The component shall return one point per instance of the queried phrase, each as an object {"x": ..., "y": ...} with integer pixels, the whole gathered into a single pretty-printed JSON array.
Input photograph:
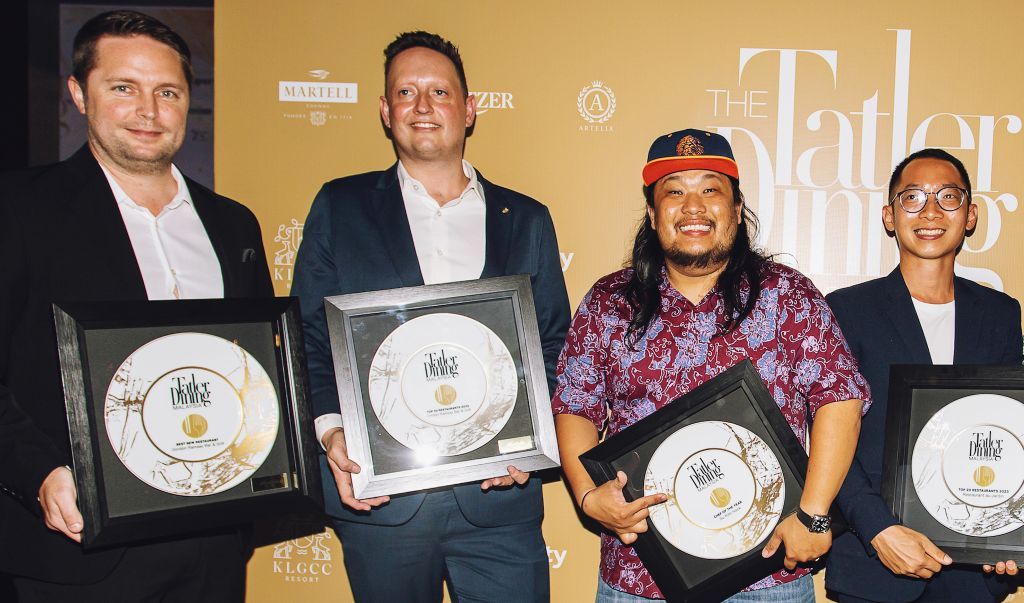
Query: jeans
[{"x": 797, "y": 591}]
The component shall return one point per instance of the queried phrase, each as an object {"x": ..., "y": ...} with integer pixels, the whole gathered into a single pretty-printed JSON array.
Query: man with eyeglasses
[{"x": 921, "y": 313}]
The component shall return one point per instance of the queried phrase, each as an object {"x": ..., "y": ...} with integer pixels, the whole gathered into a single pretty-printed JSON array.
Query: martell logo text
[
  {"x": 321, "y": 98},
  {"x": 317, "y": 92}
]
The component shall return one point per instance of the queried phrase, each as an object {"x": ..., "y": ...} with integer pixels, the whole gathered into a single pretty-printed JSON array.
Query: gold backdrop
[{"x": 820, "y": 100}]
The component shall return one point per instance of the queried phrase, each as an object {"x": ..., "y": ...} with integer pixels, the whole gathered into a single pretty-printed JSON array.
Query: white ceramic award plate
[
  {"x": 442, "y": 384},
  {"x": 191, "y": 414},
  {"x": 968, "y": 465},
  {"x": 725, "y": 489}
]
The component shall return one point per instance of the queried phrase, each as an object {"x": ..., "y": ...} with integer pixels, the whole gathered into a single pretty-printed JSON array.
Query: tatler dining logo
[{"x": 826, "y": 170}]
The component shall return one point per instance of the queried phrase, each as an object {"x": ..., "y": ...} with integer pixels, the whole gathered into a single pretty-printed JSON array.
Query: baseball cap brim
[{"x": 659, "y": 168}]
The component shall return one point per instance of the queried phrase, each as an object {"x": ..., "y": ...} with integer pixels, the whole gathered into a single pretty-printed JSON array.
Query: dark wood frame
[
  {"x": 729, "y": 575},
  {"x": 341, "y": 309},
  {"x": 303, "y": 492},
  {"x": 896, "y": 487}
]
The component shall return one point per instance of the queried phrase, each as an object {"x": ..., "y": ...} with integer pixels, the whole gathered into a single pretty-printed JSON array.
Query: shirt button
[
  {"x": 440, "y": 252},
  {"x": 416, "y": 187},
  {"x": 438, "y": 214}
]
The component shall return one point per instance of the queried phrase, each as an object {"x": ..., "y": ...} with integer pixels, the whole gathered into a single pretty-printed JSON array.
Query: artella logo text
[{"x": 596, "y": 104}]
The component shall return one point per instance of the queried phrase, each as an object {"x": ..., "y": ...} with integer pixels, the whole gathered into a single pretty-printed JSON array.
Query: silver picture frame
[{"x": 385, "y": 431}]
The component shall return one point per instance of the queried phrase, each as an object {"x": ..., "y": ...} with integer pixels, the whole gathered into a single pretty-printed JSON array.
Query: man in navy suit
[
  {"x": 920, "y": 314},
  {"x": 430, "y": 218}
]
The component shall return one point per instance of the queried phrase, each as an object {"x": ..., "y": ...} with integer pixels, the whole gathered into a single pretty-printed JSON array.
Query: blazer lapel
[
  {"x": 902, "y": 316},
  {"x": 499, "y": 217},
  {"x": 98, "y": 214},
  {"x": 203, "y": 204},
  {"x": 970, "y": 320},
  {"x": 393, "y": 224}
]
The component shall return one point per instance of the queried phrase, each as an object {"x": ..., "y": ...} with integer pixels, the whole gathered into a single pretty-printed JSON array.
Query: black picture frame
[
  {"x": 94, "y": 339},
  {"x": 737, "y": 396},
  {"x": 359, "y": 323},
  {"x": 916, "y": 393}
]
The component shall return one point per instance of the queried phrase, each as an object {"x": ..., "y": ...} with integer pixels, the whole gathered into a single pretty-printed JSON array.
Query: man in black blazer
[
  {"x": 920, "y": 314},
  {"x": 115, "y": 221},
  {"x": 429, "y": 218}
]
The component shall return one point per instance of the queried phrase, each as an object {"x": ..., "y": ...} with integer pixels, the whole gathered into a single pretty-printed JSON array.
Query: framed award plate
[
  {"x": 441, "y": 384},
  {"x": 186, "y": 414},
  {"x": 954, "y": 462},
  {"x": 732, "y": 469}
]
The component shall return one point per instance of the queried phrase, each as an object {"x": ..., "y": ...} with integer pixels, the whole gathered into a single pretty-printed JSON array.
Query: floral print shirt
[{"x": 790, "y": 336}]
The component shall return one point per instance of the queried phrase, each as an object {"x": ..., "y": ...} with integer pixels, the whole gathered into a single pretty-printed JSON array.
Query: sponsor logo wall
[{"x": 819, "y": 105}]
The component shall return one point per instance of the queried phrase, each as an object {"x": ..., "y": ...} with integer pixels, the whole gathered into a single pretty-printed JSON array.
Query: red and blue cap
[{"x": 689, "y": 150}]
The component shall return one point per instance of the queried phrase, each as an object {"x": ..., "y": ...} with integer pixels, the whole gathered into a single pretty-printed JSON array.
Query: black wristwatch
[{"x": 817, "y": 524}]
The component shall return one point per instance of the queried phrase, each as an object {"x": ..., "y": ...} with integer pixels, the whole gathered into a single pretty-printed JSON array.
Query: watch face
[{"x": 820, "y": 524}]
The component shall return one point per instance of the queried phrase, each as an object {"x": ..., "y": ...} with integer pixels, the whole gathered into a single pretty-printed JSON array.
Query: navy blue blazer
[
  {"x": 882, "y": 328},
  {"x": 357, "y": 238}
]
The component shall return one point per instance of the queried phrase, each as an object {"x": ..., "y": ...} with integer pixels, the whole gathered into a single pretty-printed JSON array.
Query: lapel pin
[{"x": 504, "y": 210}]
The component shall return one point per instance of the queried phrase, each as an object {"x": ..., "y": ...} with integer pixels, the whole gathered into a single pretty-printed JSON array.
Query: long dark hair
[{"x": 742, "y": 272}]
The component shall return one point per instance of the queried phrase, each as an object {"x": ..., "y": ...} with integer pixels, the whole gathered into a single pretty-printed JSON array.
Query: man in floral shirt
[{"x": 696, "y": 300}]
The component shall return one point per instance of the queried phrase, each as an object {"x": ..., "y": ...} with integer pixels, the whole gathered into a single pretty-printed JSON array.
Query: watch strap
[{"x": 813, "y": 523}]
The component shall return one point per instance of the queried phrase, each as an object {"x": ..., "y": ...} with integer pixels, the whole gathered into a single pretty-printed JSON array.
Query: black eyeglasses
[{"x": 913, "y": 200}]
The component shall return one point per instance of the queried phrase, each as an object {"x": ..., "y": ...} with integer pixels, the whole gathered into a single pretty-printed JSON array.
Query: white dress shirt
[
  {"x": 450, "y": 241},
  {"x": 175, "y": 256}
]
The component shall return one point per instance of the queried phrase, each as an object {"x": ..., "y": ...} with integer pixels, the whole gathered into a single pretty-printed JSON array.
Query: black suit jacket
[
  {"x": 882, "y": 328},
  {"x": 64, "y": 240},
  {"x": 357, "y": 238}
]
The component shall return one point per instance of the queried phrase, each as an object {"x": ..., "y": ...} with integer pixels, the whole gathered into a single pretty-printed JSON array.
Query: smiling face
[
  {"x": 696, "y": 218},
  {"x": 136, "y": 102},
  {"x": 932, "y": 233},
  {"x": 425, "y": 107}
]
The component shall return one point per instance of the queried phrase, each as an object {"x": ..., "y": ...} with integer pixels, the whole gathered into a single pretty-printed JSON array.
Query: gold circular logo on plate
[
  {"x": 720, "y": 497},
  {"x": 984, "y": 476},
  {"x": 194, "y": 426},
  {"x": 445, "y": 394}
]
